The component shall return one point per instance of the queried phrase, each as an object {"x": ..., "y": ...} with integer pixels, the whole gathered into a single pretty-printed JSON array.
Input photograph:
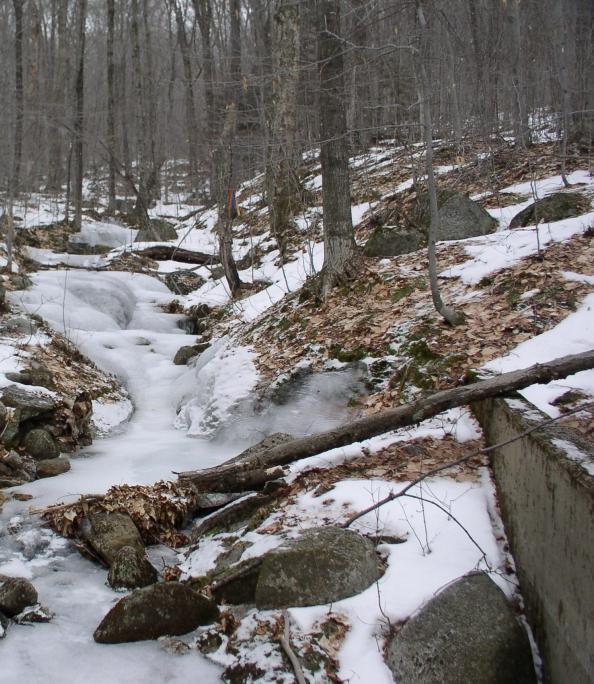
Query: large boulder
[
  {"x": 130, "y": 570},
  {"x": 387, "y": 241},
  {"x": 158, "y": 231},
  {"x": 108, "y": 532},
  {"x": 459, "y": 216},
  {"x": 165, "y": 609},
  {"x": 40, "y": 444},
  {"x": 555, "y": 207},
  {"x": 27, "y": 404},
  {"x": 323, "y": 565},
  {"x": 51, "y": 467},
  {"x": 467, "y": 633},
  {"x": 16, "y": 594}
]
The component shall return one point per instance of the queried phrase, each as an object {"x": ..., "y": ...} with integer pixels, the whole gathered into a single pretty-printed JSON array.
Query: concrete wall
[{"x": 546, "y": 497}]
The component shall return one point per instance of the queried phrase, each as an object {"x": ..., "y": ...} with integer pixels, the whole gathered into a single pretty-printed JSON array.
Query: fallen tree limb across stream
[
  {"x": 185, "y": 256},
  {"x": 241, "y": 475}
]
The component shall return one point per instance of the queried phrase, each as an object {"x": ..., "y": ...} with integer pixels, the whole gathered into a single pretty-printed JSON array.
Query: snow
[{"x": 575, "y": 334}]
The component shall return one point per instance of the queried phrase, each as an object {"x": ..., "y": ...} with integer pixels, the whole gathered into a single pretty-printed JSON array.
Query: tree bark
[
  {"x": 19, "y": 97},
  {"x": 451, "y": 316},
  {"x": 111, "y": 135},
  {"x": 236, "y": 474},
  {"x": 78, "y": 127},
  {"x": 283, "y": 159},
  {"x": 340, "y": 249},
  {"x": 184, "y": 47}
]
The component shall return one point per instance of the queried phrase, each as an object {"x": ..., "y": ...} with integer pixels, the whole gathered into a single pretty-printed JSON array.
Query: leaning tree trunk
[
  {"x": 340, "y": 249},
  {"x": 78, "y": 128},
  {"x": 283, "y": 160},
  {"x": 451, "y": 316}
]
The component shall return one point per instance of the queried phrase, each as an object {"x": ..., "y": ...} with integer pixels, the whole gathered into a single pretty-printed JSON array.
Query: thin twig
[
  {"x": 285, "y": 643},
  {"x": 403, "y": 492}
]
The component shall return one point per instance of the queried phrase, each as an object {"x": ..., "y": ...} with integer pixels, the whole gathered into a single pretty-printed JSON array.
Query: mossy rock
[
  {"x": 169, "y": 608},
  {"x": 323, "y": 565},
  {"x": 555, "y": 207},
  {"x": 130, "y": 570},
  {"x": 388, "y": 241},
  {"x": 159, "y": 230},
  {"x": 467, "y": 633},
  {"x": 52, "y": 466},
  {"x": 16, "y": 593},
  {"x": 40, "y": 444},
  {"x": 108, "y": 532}
]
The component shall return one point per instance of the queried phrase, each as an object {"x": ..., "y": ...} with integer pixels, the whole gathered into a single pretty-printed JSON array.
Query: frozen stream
[{"x": 115, "y": 319}]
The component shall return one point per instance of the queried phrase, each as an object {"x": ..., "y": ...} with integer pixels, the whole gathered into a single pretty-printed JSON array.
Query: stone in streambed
[
  {"x": 130, "y": 570},
  {"x": 16, "y": 593},
  {"x": 166, "y": 609},
  {"x": 107, "y": 533},
  {"x": 40, "y": 444},
  {"x": 52, "y": 466}
]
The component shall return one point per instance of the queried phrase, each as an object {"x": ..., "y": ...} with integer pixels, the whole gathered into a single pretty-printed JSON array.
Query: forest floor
[{"x": 279, "y": 361}]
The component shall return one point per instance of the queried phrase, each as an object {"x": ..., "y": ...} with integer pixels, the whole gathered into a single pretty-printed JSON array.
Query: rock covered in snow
[
  {"x": 323, "y": 565},
  {"x": 130, "y": 570},
  {"x": 467, "y": 633},
  {"x": 108, "y": 532},
  {"x": 16, "y": 593},
  {"x": 166, "y": 609},
  {"x": 28, "y": 404}
]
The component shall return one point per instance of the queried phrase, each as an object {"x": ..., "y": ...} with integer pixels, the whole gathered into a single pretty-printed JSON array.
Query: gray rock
[
  {"x": 273, "y": 440},
  {"x": 187, "y": 353},
  {"x": 3, "y": 415},
  {"x": 387, "y": 241},
  {"x": 159, "y": 230},
  {"x": 467, "y": 633},
  {"x": 21, "y": 282},
  {"x": 40, "y": 377},
  {"x": 16, "y": 594},
  {"x": 107, "y": 533},
  {"x": 166, "y": 609},
  {"x": 212, "y": 500},
  {"x": 555, "y": 207},
  {"x": 461, "y": 218},
  {"x": 323, "y": 565},
  {"x": 52, "y": 466},
  {"x": 29, "y": 405},
  {"x": 19, "y": 325},
  {"x": 183, "y": 282},
  {"x": 40, "y": 444},
  {"x": 130, "y": 570}
]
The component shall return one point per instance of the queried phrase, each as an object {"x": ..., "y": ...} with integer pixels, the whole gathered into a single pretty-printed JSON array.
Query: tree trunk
[
  {"x": 240, "y": 475},
  {"x": 283, "y": 160},
  {"x": 340, "y": 250},
  {"x": 189, "y": 95},
  {"x": 60, "y": 90},
  {"x": 78, "y": 127},
  {"x": 520, "y": 116},
  {"x": 19, "y": 97},
  {"x": 451, "y": 316},
  {"x": 111, "y": 135}
]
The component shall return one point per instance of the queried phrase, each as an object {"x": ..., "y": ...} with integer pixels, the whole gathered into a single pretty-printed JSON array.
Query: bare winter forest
[{"x": 296, "y": 341}]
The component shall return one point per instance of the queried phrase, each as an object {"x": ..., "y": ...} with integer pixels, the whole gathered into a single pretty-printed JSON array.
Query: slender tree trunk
[
  {"x": 191, "y": 125},
  {"x": 520, "y": 120},
  {"x": 283, "y": 159},
  {"x": 451, "y": 316},
  {"x": 78, "y": 127},
  {"x": 19, "y": 96},
  {"x": 60, "y": 96},
  {"x": 340, "y": 250},
  {"x": 111, "y": 134}
]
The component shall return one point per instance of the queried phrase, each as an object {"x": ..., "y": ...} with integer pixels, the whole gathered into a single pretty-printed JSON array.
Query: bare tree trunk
[
  {"x": 203, "y": 9},
  {"x": 520, "y": 120},
  {"x": 78, "y": 127},
  {"x": 191, "y": 125},
  {"x": 19, "y": 96},
  {"x": 283, "y": 160},
  {"x": 60, "y": 97},
  {"x": 340, "y": 250},
  {"x": 111, "y": 135},
  {"x": 451, "y": 316}
]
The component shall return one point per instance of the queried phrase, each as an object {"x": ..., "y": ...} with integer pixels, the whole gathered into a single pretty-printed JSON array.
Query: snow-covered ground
[{"x": 116, "y": 319}]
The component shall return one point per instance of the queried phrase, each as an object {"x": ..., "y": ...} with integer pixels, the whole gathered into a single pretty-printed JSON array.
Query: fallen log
[
  {"x": 236, "y": 474},
  {"x": 185, "y": 256}
]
